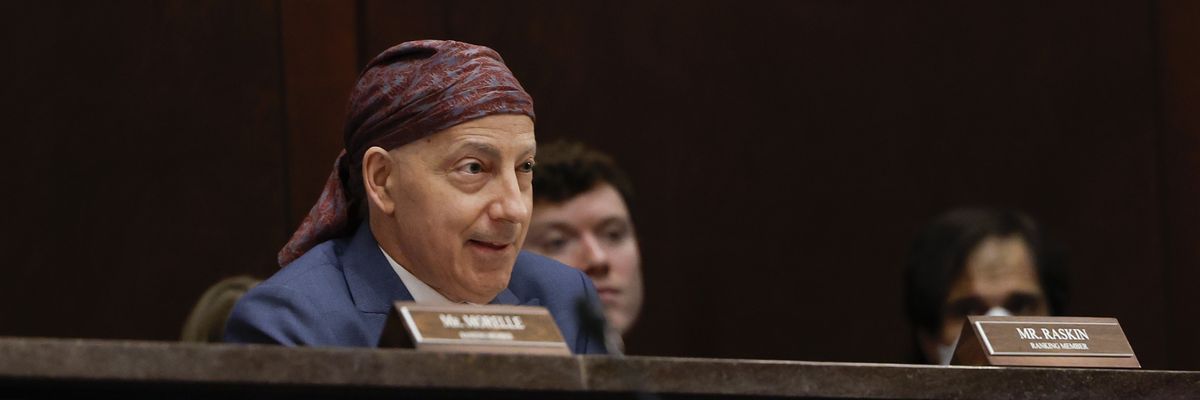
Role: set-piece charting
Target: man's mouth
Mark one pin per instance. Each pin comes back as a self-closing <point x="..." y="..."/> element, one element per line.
<point x="488" y="245"/>
<point x="608" y="294"/>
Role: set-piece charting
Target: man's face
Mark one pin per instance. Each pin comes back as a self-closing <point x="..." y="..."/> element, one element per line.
<point x="462" y="203"/>
<point x="593" y="233"/>
<point x="999" y="273"/>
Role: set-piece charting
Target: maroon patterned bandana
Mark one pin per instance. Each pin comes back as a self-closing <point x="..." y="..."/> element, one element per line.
<point x="408" y="92"/>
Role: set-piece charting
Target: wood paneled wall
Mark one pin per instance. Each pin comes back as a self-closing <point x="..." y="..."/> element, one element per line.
<point x="142" y="160"/>
<point x="784" y="152"/>
<point x="1179" y="103"/>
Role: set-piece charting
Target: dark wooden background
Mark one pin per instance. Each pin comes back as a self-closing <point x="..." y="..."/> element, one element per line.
<point x="784" y="152"/>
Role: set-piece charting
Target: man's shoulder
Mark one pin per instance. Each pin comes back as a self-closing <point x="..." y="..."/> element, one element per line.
<point x="299" y="305"/>
<point x="536" y="276"/>
<point x="316" y="266"/>
<point x="317" y="276"/>
<point x="532" y="268"/>
<point x="564" y="291"/>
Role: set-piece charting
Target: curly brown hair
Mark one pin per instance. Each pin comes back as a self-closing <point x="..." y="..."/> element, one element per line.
<point x="566" y="169"/>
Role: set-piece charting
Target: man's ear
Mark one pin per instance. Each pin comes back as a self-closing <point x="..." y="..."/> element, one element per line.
<point x="377" y="167"/>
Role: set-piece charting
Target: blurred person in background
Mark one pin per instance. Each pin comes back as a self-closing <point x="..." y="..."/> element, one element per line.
<point x="978" y="261"/>
<point x="206" y="322"/>
<point x="581" y="218"/>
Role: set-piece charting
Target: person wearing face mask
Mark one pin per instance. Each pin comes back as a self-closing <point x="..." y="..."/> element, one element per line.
<point x="978" y="261"/>
<point x="581" y="218"/>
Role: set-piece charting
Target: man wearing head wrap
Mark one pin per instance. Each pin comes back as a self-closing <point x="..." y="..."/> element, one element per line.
<point x="429" y="202"/>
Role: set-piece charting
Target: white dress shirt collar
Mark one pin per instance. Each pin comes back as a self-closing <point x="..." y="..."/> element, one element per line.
<point x="421" y="292"/>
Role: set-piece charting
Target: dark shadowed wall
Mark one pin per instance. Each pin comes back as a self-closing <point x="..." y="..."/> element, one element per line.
<point x="784" y="152"/>
<point x="142" y="158"/>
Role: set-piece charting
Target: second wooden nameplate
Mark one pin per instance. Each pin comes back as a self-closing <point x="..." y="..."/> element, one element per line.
<point x="1044" y="342"/>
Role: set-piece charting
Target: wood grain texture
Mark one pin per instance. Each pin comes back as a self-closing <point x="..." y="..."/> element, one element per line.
<point x="319" y="66"/>
<point x="137" y="369"/>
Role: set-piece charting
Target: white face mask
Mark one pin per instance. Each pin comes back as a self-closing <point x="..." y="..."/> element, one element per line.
<point x="946" y="351"/>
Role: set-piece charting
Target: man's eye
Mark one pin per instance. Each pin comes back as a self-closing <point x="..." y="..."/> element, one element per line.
<point x="527" y="166"/>
<point x="1023" y="304"/>
<point x="615" y="235"/>
<point x="554" y="245"/>
<point x="472" y="168"/>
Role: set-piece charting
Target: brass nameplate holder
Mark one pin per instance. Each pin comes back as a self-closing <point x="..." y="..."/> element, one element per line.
<point x="1044" y="342"/>
<point x="473" y="328"/>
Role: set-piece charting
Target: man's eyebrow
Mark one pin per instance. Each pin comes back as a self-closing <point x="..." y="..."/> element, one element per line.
<point x="614" y="220"/>
<point x="481" y="147"/>
<point x="556" y="225"/>
<point x="489" y="150"/>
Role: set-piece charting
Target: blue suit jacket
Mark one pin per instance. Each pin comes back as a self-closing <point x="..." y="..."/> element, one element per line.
<point x="340" y="293"/>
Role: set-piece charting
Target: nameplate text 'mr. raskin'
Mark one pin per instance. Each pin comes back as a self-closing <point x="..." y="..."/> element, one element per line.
<point x="1054" y="338"/>
<point x="1044" y="342"/>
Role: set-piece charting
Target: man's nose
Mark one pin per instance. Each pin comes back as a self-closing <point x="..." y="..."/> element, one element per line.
<point x="595" y="258"/>
<point x="509" y="203"/>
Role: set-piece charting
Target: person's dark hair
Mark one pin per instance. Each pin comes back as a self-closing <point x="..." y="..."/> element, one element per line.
<point x="567" y="169"/>
<point x="940" y="252"/>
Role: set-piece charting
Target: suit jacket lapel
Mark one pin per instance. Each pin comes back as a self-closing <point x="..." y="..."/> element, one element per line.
<point x="506" y="297"/>
<point x="373" y="283"/>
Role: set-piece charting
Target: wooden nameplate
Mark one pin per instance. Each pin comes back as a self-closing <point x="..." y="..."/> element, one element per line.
<point x="1044" y="342"/>
<point x="473" y="328"/>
